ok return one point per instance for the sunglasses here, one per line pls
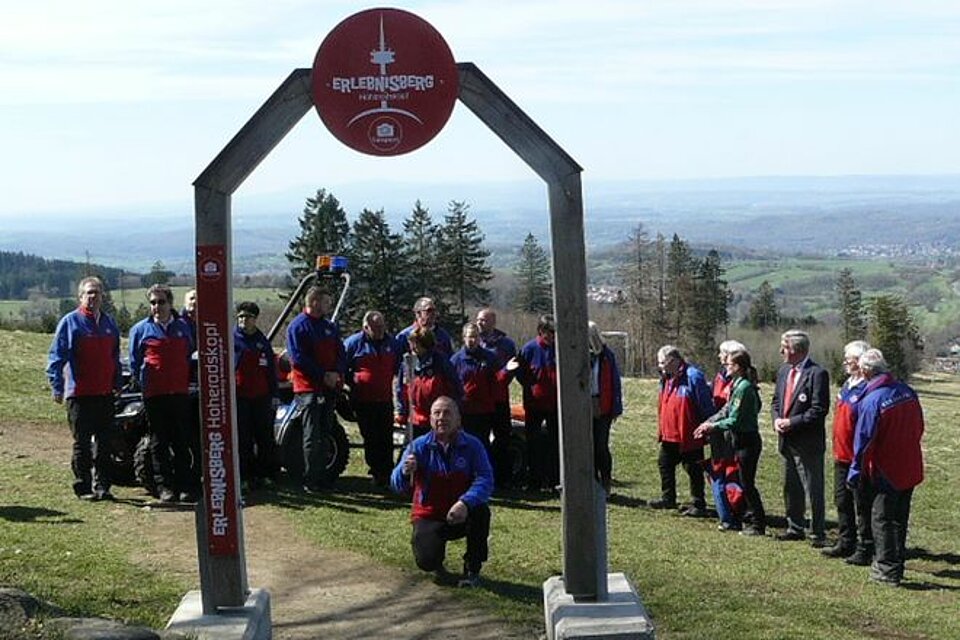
(244, 316)
(157, 303)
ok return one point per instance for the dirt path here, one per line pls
(315, 592)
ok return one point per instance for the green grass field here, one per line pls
(695, 581)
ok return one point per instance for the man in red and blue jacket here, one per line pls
(372, 362)
(887, 456)
(84, 369)
(854, 533)
(503, 348)
(255, 366)
(449, 473)
(536, 370)
(318, 365)
(476, 369)
(685, 401)
(160, 357)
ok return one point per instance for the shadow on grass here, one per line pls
(18, 513)
(351, 495)
(927, 586)
(513, 590)
(919, 553)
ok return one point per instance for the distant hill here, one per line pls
(852, 215)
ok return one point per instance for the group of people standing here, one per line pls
(84, 371)
(457, 406)
(877, 428)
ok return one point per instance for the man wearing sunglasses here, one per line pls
(160, 353)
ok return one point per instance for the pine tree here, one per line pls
(323, 230)
(679, 289)
(711, 295)
(378, 272)
(852, 320)
(533, 292)
(421, 250)
(894, 331)
(763, 312)
(463, 266)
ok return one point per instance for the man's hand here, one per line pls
(703, 430)
(782, 425)
(410, 466)
(512, 364)
(457, 513)
(401, 419)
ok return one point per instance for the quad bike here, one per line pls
(130, 462)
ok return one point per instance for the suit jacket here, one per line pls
(808, 408)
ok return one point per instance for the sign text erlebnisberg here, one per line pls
(383, 83)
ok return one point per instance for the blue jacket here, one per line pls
(462, 472)
(84, 356)
(444, 343)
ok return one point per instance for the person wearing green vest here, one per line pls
(741, 422)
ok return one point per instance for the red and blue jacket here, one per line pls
(254, 363)
(685, 402)
(433, 377)
(444, 343)
(160, 358)
(371, 366)
(886, 446)
(84, 356)
(609, 384)
(503, 349)
(460, 471)
(538, 376)
(845, 419)
(314, 347)
(722, 388)
(477, 371)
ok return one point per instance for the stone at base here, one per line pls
(620, 617)
(249, 622)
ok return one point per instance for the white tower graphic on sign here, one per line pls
(382, 57)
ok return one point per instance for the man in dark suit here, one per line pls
(800, 404)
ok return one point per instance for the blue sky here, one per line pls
(108, 104)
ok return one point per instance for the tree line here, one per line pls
(390, 269)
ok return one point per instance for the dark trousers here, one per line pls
(543, 448)
(891, 515)
(854, 506)
(318, 417)
(802, 480)
(90, 419)
(602, 459)
(479, 425)
(375, 420)
(747, 448)
(171, 432)
(502, 430)
(670, 456)
(430, 538)
(258, 450)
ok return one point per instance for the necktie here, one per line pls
(788, 392)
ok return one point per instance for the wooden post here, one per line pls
(584, 525)
(223, 575)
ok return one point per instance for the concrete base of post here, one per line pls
(249, 622)
(620, 616)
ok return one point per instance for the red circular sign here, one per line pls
(384, 82)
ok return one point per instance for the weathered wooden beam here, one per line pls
(257, 138)
(583, 507)
(513, 126)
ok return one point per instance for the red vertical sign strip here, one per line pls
(213, 327)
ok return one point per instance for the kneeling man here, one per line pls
(452, 480)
